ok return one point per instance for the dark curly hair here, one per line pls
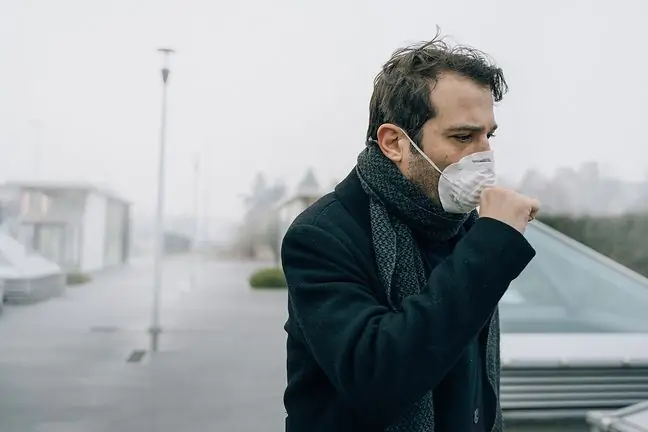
(401, 92)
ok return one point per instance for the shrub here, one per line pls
(77, 278)
(268, 278)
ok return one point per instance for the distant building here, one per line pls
(584, 191)
(308, 191)
(177, 243)
(78, 226)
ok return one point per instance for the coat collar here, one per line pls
(350, 193)
(354, 199)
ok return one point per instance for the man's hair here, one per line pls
(402, 88)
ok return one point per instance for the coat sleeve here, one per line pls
(382, 361)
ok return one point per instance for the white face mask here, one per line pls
(461, 184)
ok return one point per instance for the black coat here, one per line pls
(355, 365)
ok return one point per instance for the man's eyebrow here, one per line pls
(469, 128)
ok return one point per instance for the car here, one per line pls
(574, 334)
(629, 419)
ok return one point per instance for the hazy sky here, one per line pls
(282, 85)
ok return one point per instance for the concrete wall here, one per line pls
(93, 233)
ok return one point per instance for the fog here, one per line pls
(281, 86)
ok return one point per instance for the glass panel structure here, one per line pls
(569, 288)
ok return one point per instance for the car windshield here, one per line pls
(569, 288)
(4, 262)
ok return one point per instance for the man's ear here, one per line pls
(390, 141)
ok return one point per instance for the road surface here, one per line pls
(63, 363)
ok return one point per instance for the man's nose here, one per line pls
(484, 144)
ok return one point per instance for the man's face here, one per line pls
(463, 124)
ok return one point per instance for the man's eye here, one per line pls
(463, 138)
(491, 135)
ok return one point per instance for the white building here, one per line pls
(76, 225)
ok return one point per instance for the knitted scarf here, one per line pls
(399, 210)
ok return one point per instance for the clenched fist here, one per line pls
(508, 206)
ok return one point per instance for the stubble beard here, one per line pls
(423, 175)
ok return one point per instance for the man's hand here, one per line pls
(508, 206)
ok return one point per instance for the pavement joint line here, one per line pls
(136, 356)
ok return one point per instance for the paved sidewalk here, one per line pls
(221, 366)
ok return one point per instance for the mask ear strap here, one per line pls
(418, 149)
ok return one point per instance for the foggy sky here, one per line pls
(282, 85)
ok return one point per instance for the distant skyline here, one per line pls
(280, 86)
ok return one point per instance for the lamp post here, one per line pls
(155, 329)
(196, 223)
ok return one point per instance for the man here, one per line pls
(394, 278)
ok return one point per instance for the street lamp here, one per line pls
(196, 223)
(155, 329)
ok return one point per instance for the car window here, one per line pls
(568, 288)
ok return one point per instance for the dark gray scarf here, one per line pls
(399, 210)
